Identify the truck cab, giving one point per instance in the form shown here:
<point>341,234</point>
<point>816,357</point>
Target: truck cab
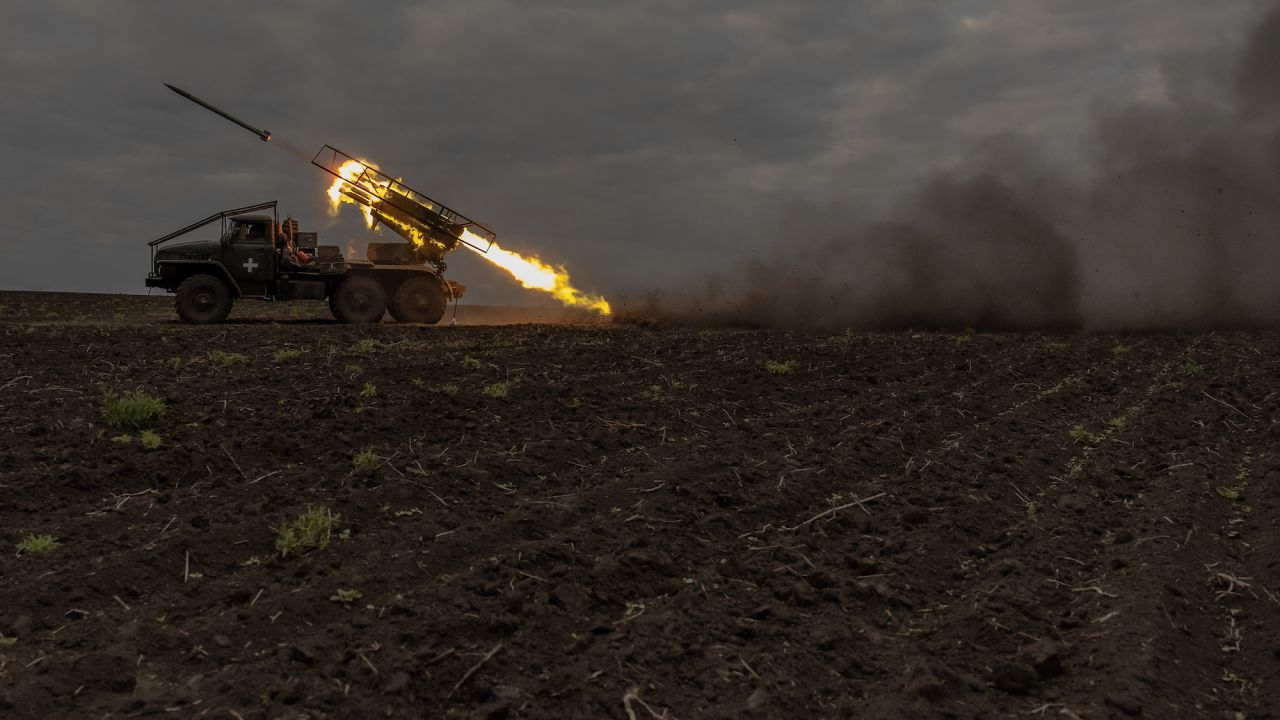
<point>249,253</point>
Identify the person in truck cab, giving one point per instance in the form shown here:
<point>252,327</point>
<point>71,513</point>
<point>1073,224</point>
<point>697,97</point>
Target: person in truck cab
<point>290,253</point>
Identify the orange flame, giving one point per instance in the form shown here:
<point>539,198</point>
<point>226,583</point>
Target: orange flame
<point>534,274</point>
<point>531,272</point>
<point>350,173</point>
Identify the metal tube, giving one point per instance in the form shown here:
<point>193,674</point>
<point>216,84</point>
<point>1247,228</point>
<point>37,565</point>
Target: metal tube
<point>263,134</point>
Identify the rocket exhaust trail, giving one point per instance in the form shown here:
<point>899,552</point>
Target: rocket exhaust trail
<point>290,148</point>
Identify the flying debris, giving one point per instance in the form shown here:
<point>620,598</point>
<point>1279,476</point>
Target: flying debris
<point>263,134</point>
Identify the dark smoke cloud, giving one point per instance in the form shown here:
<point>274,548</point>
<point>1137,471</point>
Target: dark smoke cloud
<point>1175,225</point>
<point>1256,87</point>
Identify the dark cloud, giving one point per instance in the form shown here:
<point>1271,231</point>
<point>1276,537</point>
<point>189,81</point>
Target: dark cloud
<point>642,144</point>
<point>1168,222</point>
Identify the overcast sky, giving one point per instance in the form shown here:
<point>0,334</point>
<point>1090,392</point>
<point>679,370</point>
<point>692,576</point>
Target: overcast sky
<point>637,143</point>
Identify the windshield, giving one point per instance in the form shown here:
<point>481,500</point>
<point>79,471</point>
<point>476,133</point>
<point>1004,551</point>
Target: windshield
<point>254,230</point>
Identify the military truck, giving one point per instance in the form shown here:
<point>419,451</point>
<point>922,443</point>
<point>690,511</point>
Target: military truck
<point>248,261</point>
<point>252,257</point>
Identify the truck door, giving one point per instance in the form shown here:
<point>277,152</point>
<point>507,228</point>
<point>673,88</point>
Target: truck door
<point>249,257</point>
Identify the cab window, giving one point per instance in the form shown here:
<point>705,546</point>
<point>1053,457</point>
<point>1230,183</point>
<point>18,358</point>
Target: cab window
<point>251,231</point>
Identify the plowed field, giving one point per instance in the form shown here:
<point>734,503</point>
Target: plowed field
<point>543,521</point>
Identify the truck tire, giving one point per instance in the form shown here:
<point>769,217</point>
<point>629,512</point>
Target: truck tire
<point>359,299</point>
<point>419,300</point>
<point>203,300</point>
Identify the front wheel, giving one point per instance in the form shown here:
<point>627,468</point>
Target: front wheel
<point>203,300</point>
<point>419,300</point>
<point>359,299</point>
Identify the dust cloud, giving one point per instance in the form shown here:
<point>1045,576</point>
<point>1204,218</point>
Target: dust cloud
<point>1177,226</point>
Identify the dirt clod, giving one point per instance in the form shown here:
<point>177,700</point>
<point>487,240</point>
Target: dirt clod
<point>300,654</point>
<point>1014,677</point>
<point>1046,657</point>
<point>21,626</point>
<point>1125,703</point>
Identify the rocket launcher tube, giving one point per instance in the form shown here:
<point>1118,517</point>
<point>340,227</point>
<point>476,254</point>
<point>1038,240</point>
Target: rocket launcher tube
<point>407,227</point>
<point>392,203</point>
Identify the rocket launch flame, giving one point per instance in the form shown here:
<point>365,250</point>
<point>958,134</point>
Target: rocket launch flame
<point>353,184</point>
<point>534,274</point>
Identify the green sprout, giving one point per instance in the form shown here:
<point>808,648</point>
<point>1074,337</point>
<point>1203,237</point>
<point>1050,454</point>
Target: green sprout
<point>1228,493</point>
<point>346,597</point>
<point>775,367</point>
<point>35,544</point>
<point>1191,368</point>
<point>369,391</point>
<point>286,354</point>
<point>1080,435</point>
<point>498,390</point>
<point>149,440</point>
<point>131,409</point>
<point>365,461</point>
<point>227,359</point>
<point>364,346</point>
<point>309,531</point>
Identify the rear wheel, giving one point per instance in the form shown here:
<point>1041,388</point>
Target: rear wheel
<point>359,299</point>
<point>419,300</point>
<point>203,300</point>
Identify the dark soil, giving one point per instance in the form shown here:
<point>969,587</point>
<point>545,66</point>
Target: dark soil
<point>649,524</point>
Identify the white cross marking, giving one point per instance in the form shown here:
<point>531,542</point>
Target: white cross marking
<point>250,264</point>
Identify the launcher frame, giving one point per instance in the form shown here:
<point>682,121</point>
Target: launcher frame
<point>416,206</point>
